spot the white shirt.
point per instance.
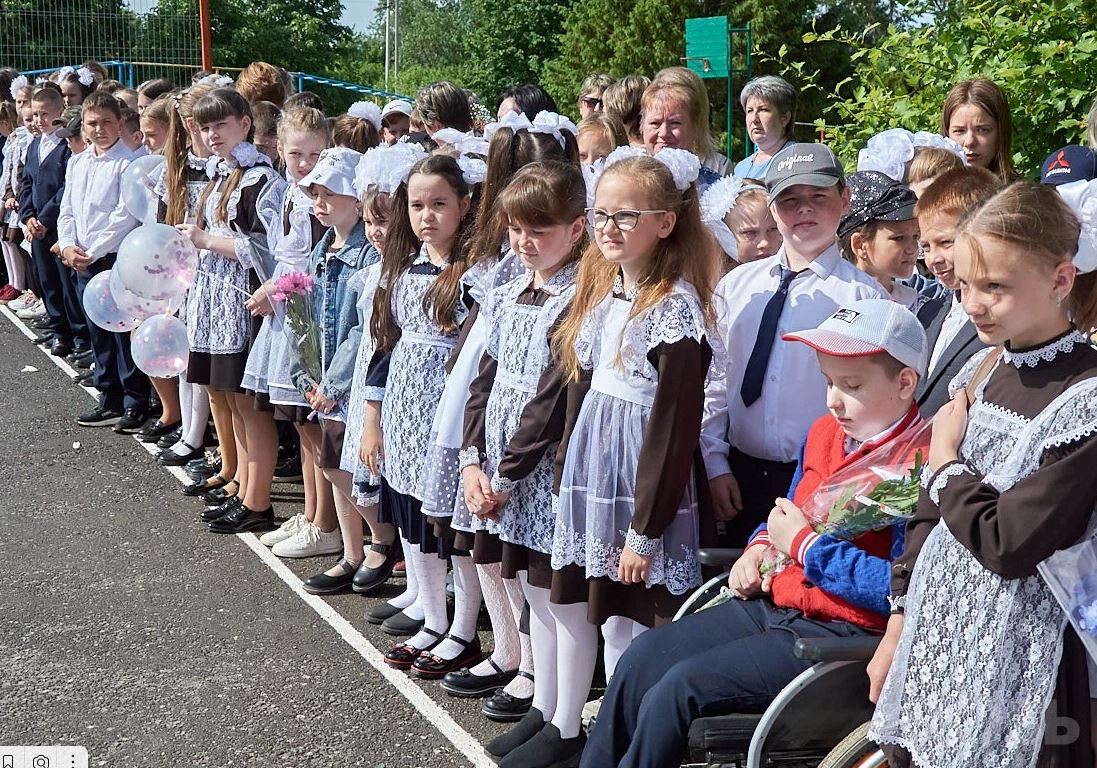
(955, 320)
(92, 213)
(46, 144)
(794, 390)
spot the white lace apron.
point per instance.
(598, 485)
(975, 668)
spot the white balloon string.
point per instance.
(226, 282)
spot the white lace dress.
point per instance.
(442, 488)
(975, 669)
(416, 378)
(518, 342)
(267, 369)
(601, 473)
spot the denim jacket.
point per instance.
(336, 312)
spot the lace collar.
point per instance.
(244, 155)
(196, 163)
(424, 258)
(559, 282)
(1046, 352)
(619, 288)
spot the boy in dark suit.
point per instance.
(39, 205)
(951, 335)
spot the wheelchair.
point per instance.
(819, 720)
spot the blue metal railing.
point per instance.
(126, 72)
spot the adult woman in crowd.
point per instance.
(769, 103)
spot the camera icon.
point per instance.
(40, 761)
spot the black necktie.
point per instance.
(755, 375)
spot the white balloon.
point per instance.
(101, 308)
(159, 346)
(157, 262)
(139, 307)
(136, 186)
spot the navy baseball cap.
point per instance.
(1071, 163)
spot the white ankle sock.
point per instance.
(466, 609)
(504, 630)
(543, 636)
(430, 570)
(520, 687)
(619, 632)
(576, 656)
(406, 599)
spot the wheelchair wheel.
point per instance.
(855, 751)
(705, 596)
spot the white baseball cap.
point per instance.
(335, 170)
(398, 105)
(868, 327)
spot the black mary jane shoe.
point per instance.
(154, 430)
(504, 708)
(242, 520)
(169, 458)
(220, 494)
(322, 584)
(431, 667)
(367, 579)
(216, 513)
(462, 684)
(402, 655)
(401, 625)
(546, 750)
(203, 487)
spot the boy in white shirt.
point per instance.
(758, 413)
(92, 224)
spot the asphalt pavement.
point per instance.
(127, 628)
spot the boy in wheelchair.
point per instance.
(736, 657)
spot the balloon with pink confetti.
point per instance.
(102, 309)
(138, 307)
(157, 262)
(159, 346)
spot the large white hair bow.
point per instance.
(516, 121)
(85, 76)
(366, 110)
(18, 84)
(554, 124)
(1081, 196)
(387, 167)
(718, 199)
(888, 153)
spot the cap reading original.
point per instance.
(811, 164)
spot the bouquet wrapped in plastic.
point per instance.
(294, 291)
(868, 494)
(1072, 576)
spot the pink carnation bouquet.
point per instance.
(294, 291)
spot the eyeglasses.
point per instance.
(624, 220)
(592, 102)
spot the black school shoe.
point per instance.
(169, 458)
(462, 684)
(528, 727)
(216, 513)
(243, 519)
(381, 612)
(154, 430)
(168, 439)
(546, 750)
(131, 422)
(368, 579)
(504, 708)
(101, 416)
(322, 584)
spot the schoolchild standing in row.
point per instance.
(770, 392)
(92, 223)
(416, 317)
(179, 185)
(231, 237)
(514, 416)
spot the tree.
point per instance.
(1040, 54)
(509, 42)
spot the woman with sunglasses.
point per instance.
(590, 93)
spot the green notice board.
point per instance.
(707, 46)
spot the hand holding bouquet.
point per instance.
(868, 494)
(294, 291)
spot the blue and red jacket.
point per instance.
(830, 579)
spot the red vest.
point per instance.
(824, 454)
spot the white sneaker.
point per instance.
(286, 531)
(31, 311)
(310, 541)
(23, 301)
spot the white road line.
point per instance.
(465, 742)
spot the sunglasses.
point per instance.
(625, 220)
(592, 102)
